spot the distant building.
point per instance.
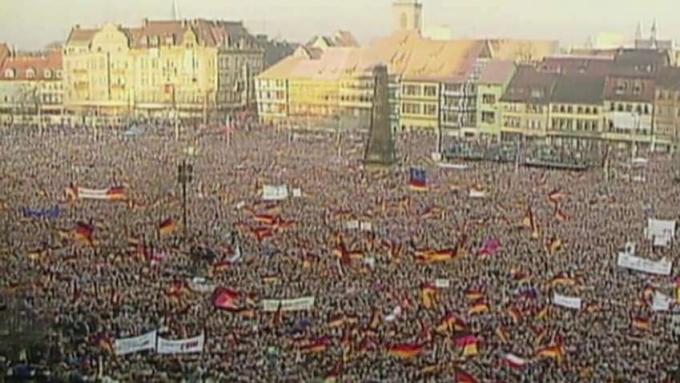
(651, 42)
(30, 87)
(493, 81)
(275, 50)
(193, 69)
(407, 16)
(667, 109)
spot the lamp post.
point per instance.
(184, 176)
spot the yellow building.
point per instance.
(525, 104)
(194, 69)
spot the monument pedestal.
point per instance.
(379, 155)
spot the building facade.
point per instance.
(492, 84)
(30, 88)
(193, 69)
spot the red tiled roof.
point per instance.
(497, 72)
(20, 67)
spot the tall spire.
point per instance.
(638, 32)
(653, 32)
(175, 10)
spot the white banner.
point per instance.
(661, 267)
(442, 283)
(201, 285)
(661, 302)
(352, 225)
(274, 193)
(125, 346)
(660, 231)
(297, 193)
(477, 193)
(568, 302)
(299, 304)
(366, 226)
(183, 346)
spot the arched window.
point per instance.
(9, 73)
(30, 73)
(48, 73)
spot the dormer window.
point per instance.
(9, 73)
(30, 73)
(47, 73)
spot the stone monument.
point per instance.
(380, 146)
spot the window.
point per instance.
(489, 117)
(30, 73)
(9, 73)
(430, 109)
(409, 108)
(488, 99)
(431, 91)
(411, 90)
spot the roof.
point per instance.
(171, 32)
(641, 61)
(406, 54)
(589, 65)
(669, 78)
(21, 65)
(522, 50)
(639, 89)
(80, 36)
(578, 89)
(497, 72)
(345, 39)
(530, 86)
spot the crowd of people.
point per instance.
(392, 299)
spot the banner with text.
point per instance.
(183, 346)
(628, 261)
(299, 304)
(125, 346)
(274, 193)
(568, 302)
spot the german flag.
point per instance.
(478, 307)
(167, 227)
(262, 233)
(450, 323)
(84, 233)
(316, 346)
(555, 352)
(116, 193)
(469, 345)
(266, 219)
(429, 296)
(562, 279)
(464, 377)
(436, 256)
(474, 294)
(405, 351)
(640, 323)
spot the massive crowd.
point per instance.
(376, 315)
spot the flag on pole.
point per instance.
(418, 179)
(405, 351)
(84, 233)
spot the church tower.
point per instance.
(407, 15)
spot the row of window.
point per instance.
(419, 90)
(423, 109)
(568, 109)
(31, 73)
(575, 125)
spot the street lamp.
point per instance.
(184, 176)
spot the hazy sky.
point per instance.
(30, 24)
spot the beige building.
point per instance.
(30, 87)
(195, 69)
